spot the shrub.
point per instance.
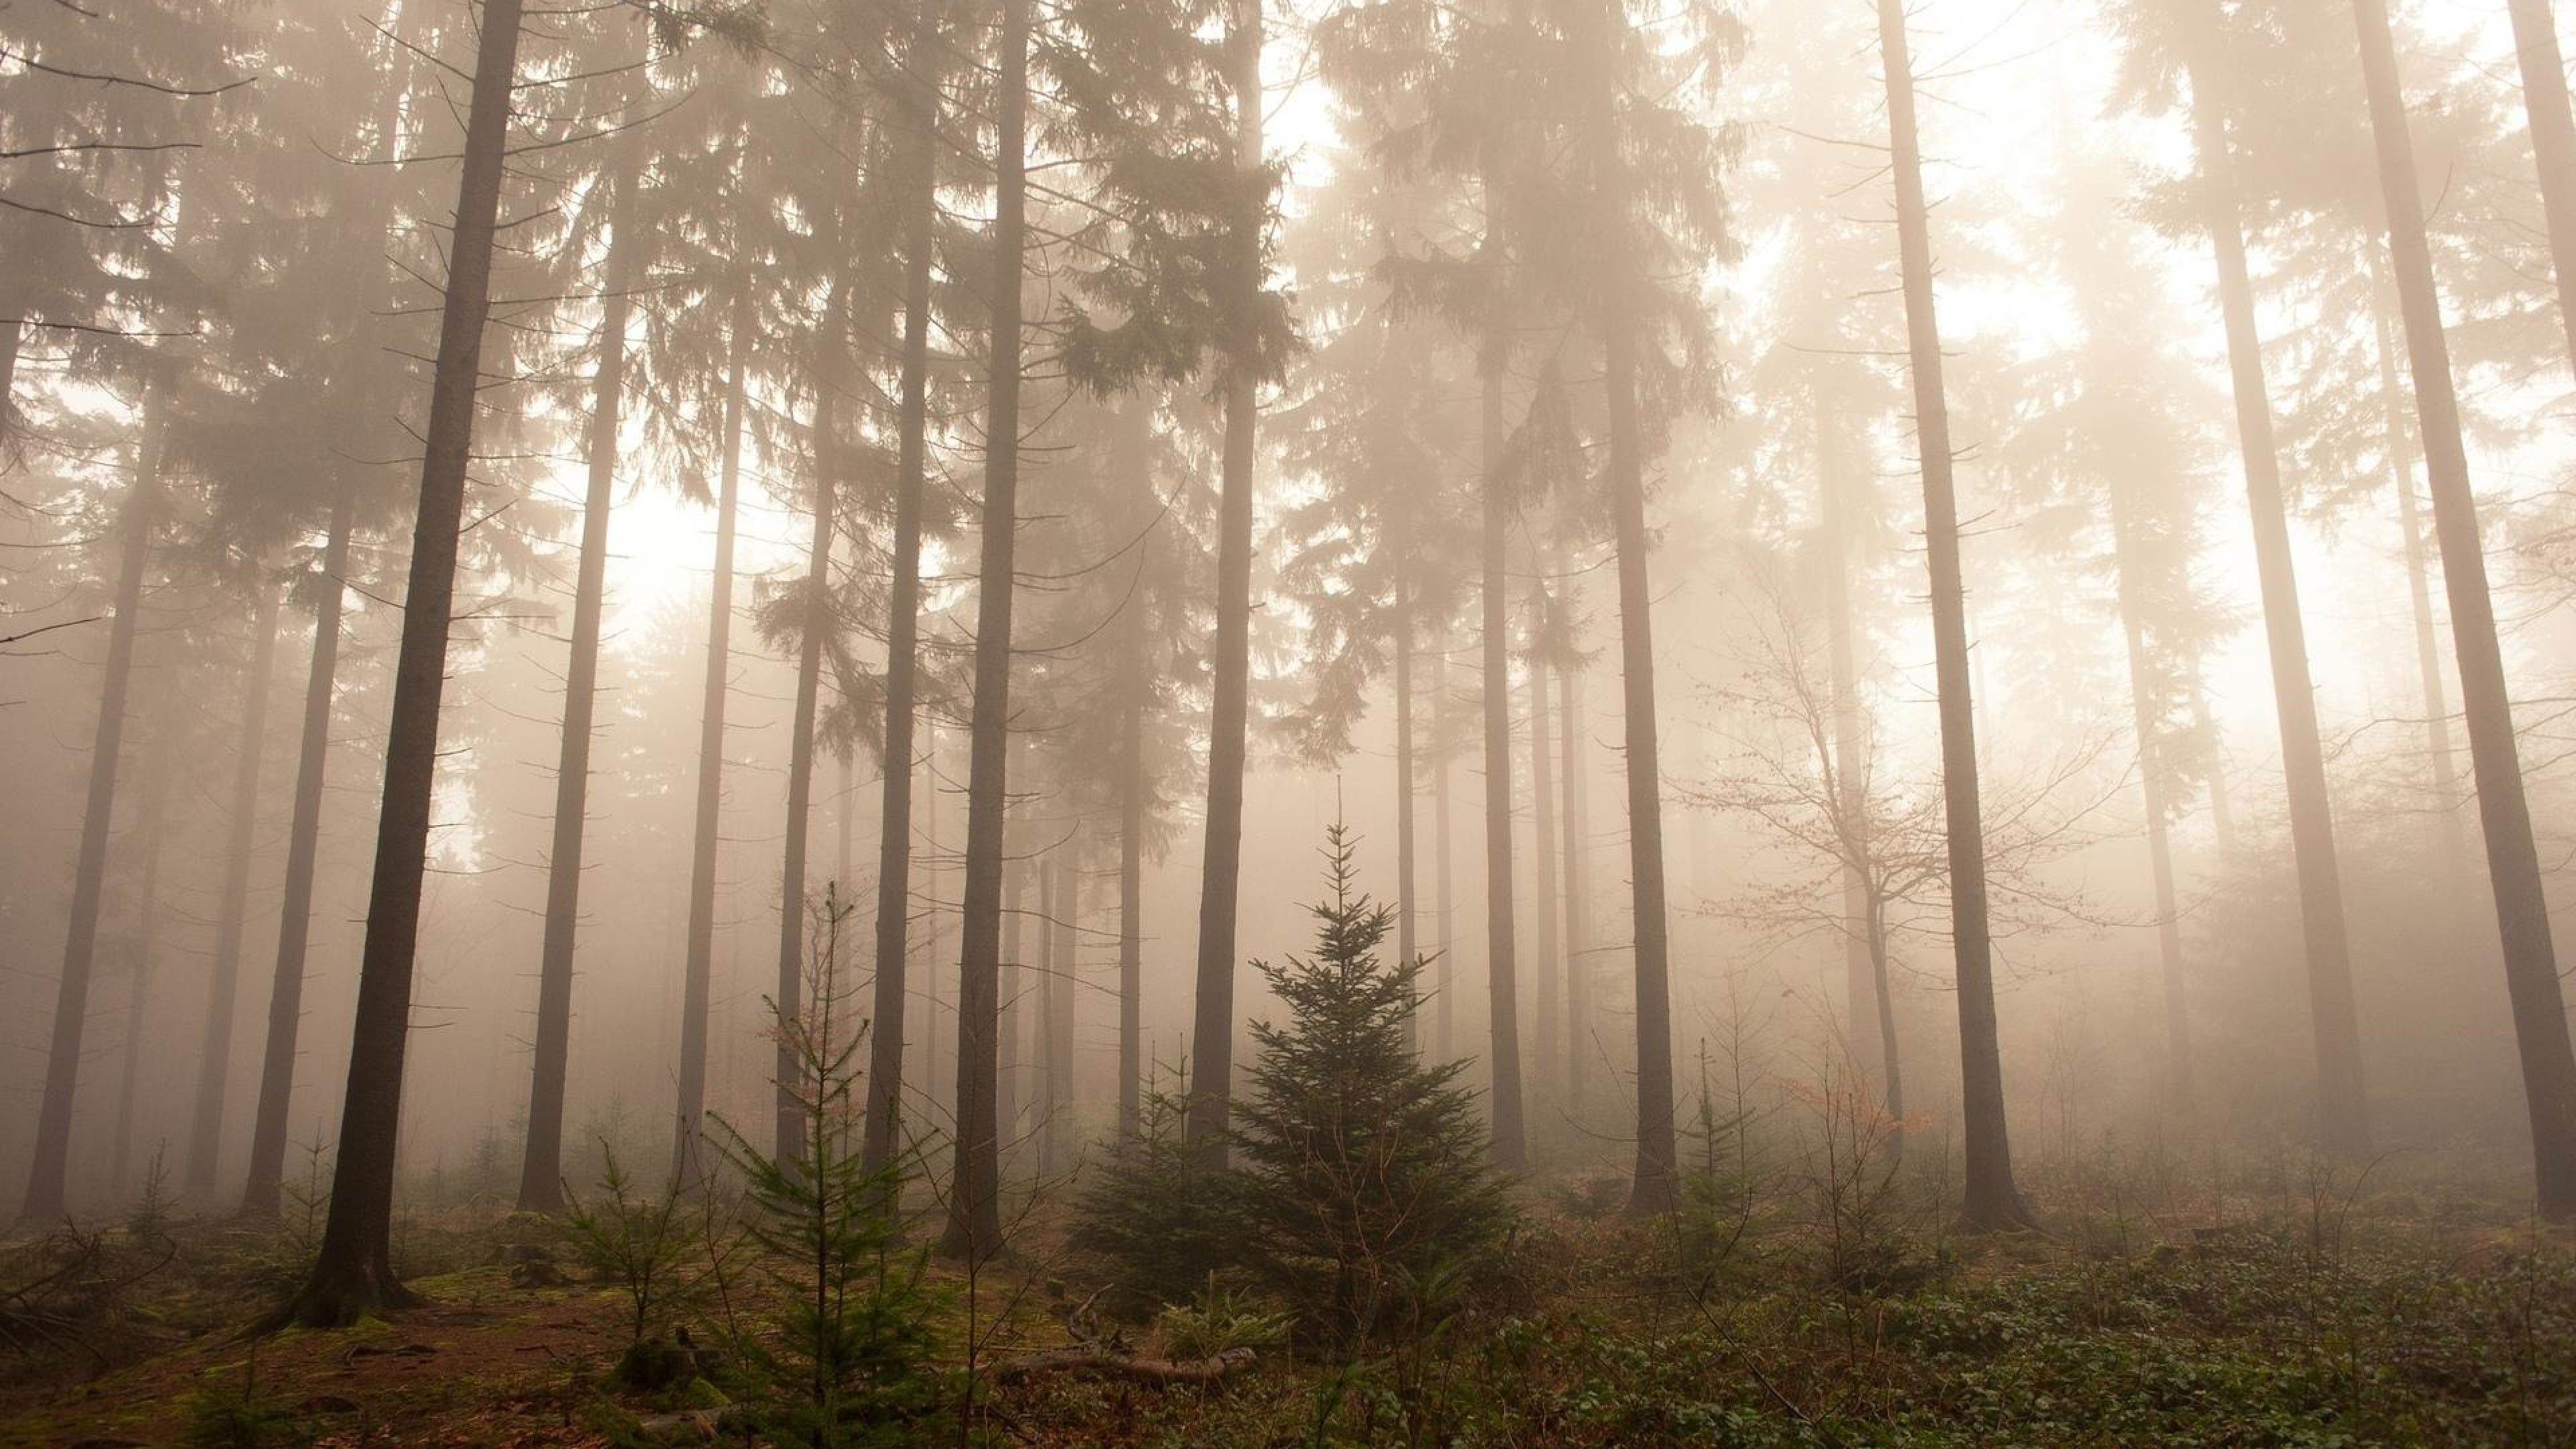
(1155, 1213)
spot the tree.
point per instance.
(2513, 862)
(974, 1213)
(214, 1060)
(353, 1272)
(1992, 1200)
(2553, 143)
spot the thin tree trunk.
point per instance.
(1548, 959)
(974, 1216)
(2553, 143)
(1407, 942)
(2221, 820)
(13, 337)
(1131, 877)
(1048, 1004)
(2152, 791)
(261, 1196)
(147, 926)
(46, 1177)
(1510, 1143)
(1863, 976)
(541, 1187)
(2342, 1108)
(1578, 964)
(353, 1273)
(1891, 1068)
(1658, 1161)
(2513, 864)
(2419, 594)
(788, 1140)
(215, 1054)
(1063, 1003)
(1009, 1059)
(1443, 976)
(1992, 1201)
(1212, 1020)
(903, 604)
(688, 1158)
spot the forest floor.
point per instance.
(2401, 1317)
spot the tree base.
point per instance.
(339, 1296)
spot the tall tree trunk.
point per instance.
(1009, 1058)
(1212, 1018)
(2553, 143)
(2513, 864)
(2342, 1109)
(2152, 792)
(1578, 964)
(46, 1177)
(2221, 819)
(1061, 991)
(147, 926)
(1548, 959)
(1992, 1201)
(1863, 975)
(1443, 976)
(1131, 871)
(261, 1196)
(1407, 940)
(974, 1213)
(903, 603)
(1657, 1153)
(2419, 594)
(215, 1054)
(541, 1169)
(353, 1273)
(789, 1135)
(1510, 1143)
(688, 1143)
(13, 337)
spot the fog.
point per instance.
(1428, 342)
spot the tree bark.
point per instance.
(215, 1054)
(1992, 1201)
(688, 1157)
(974, 1216)
(1578, 965)
(1863, 976)
(1212, 1019)
(789, 1135)
(1510, 1146)
(2553, 143)
(1131, 873)
(1407, 941)
(2419, 595)
(353, 1273)
(261, 1195)
(1548, 959)
(47, 1175)
(2513, 864)
(1443, 975)
(1658, 1162)
(2342, 1107)
(1009, 1060)
(147, 925)
(1063, 996)
(903, 605)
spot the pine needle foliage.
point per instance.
(1361, 1171)
(855, 1315)
(1155, 1213)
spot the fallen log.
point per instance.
(1091, 1360)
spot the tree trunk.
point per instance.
(2152, 791)
(2419, 593)
(1212, 1019)
(1891, 1066)
(2342, 1108)
(2553, 143)
(1548, 957)
(1992, 1200)
(1510, 1145)
(1863, 976)
(789, 1135)
(46, 1176)
(2221, 821)
(541, 1187)
(1131, 874)
(147, 924)
(1658, 1160)
(1578, 965)
(1407, 941)
(903, 604)
(688, 1159)
(2513, 864)
(1063, 993)
(1443, 975)
(1009, 1059)
(261, 1196)
(215, 1054)
(974, 1214)
(353, 1274)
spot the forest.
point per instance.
(1287, 722)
